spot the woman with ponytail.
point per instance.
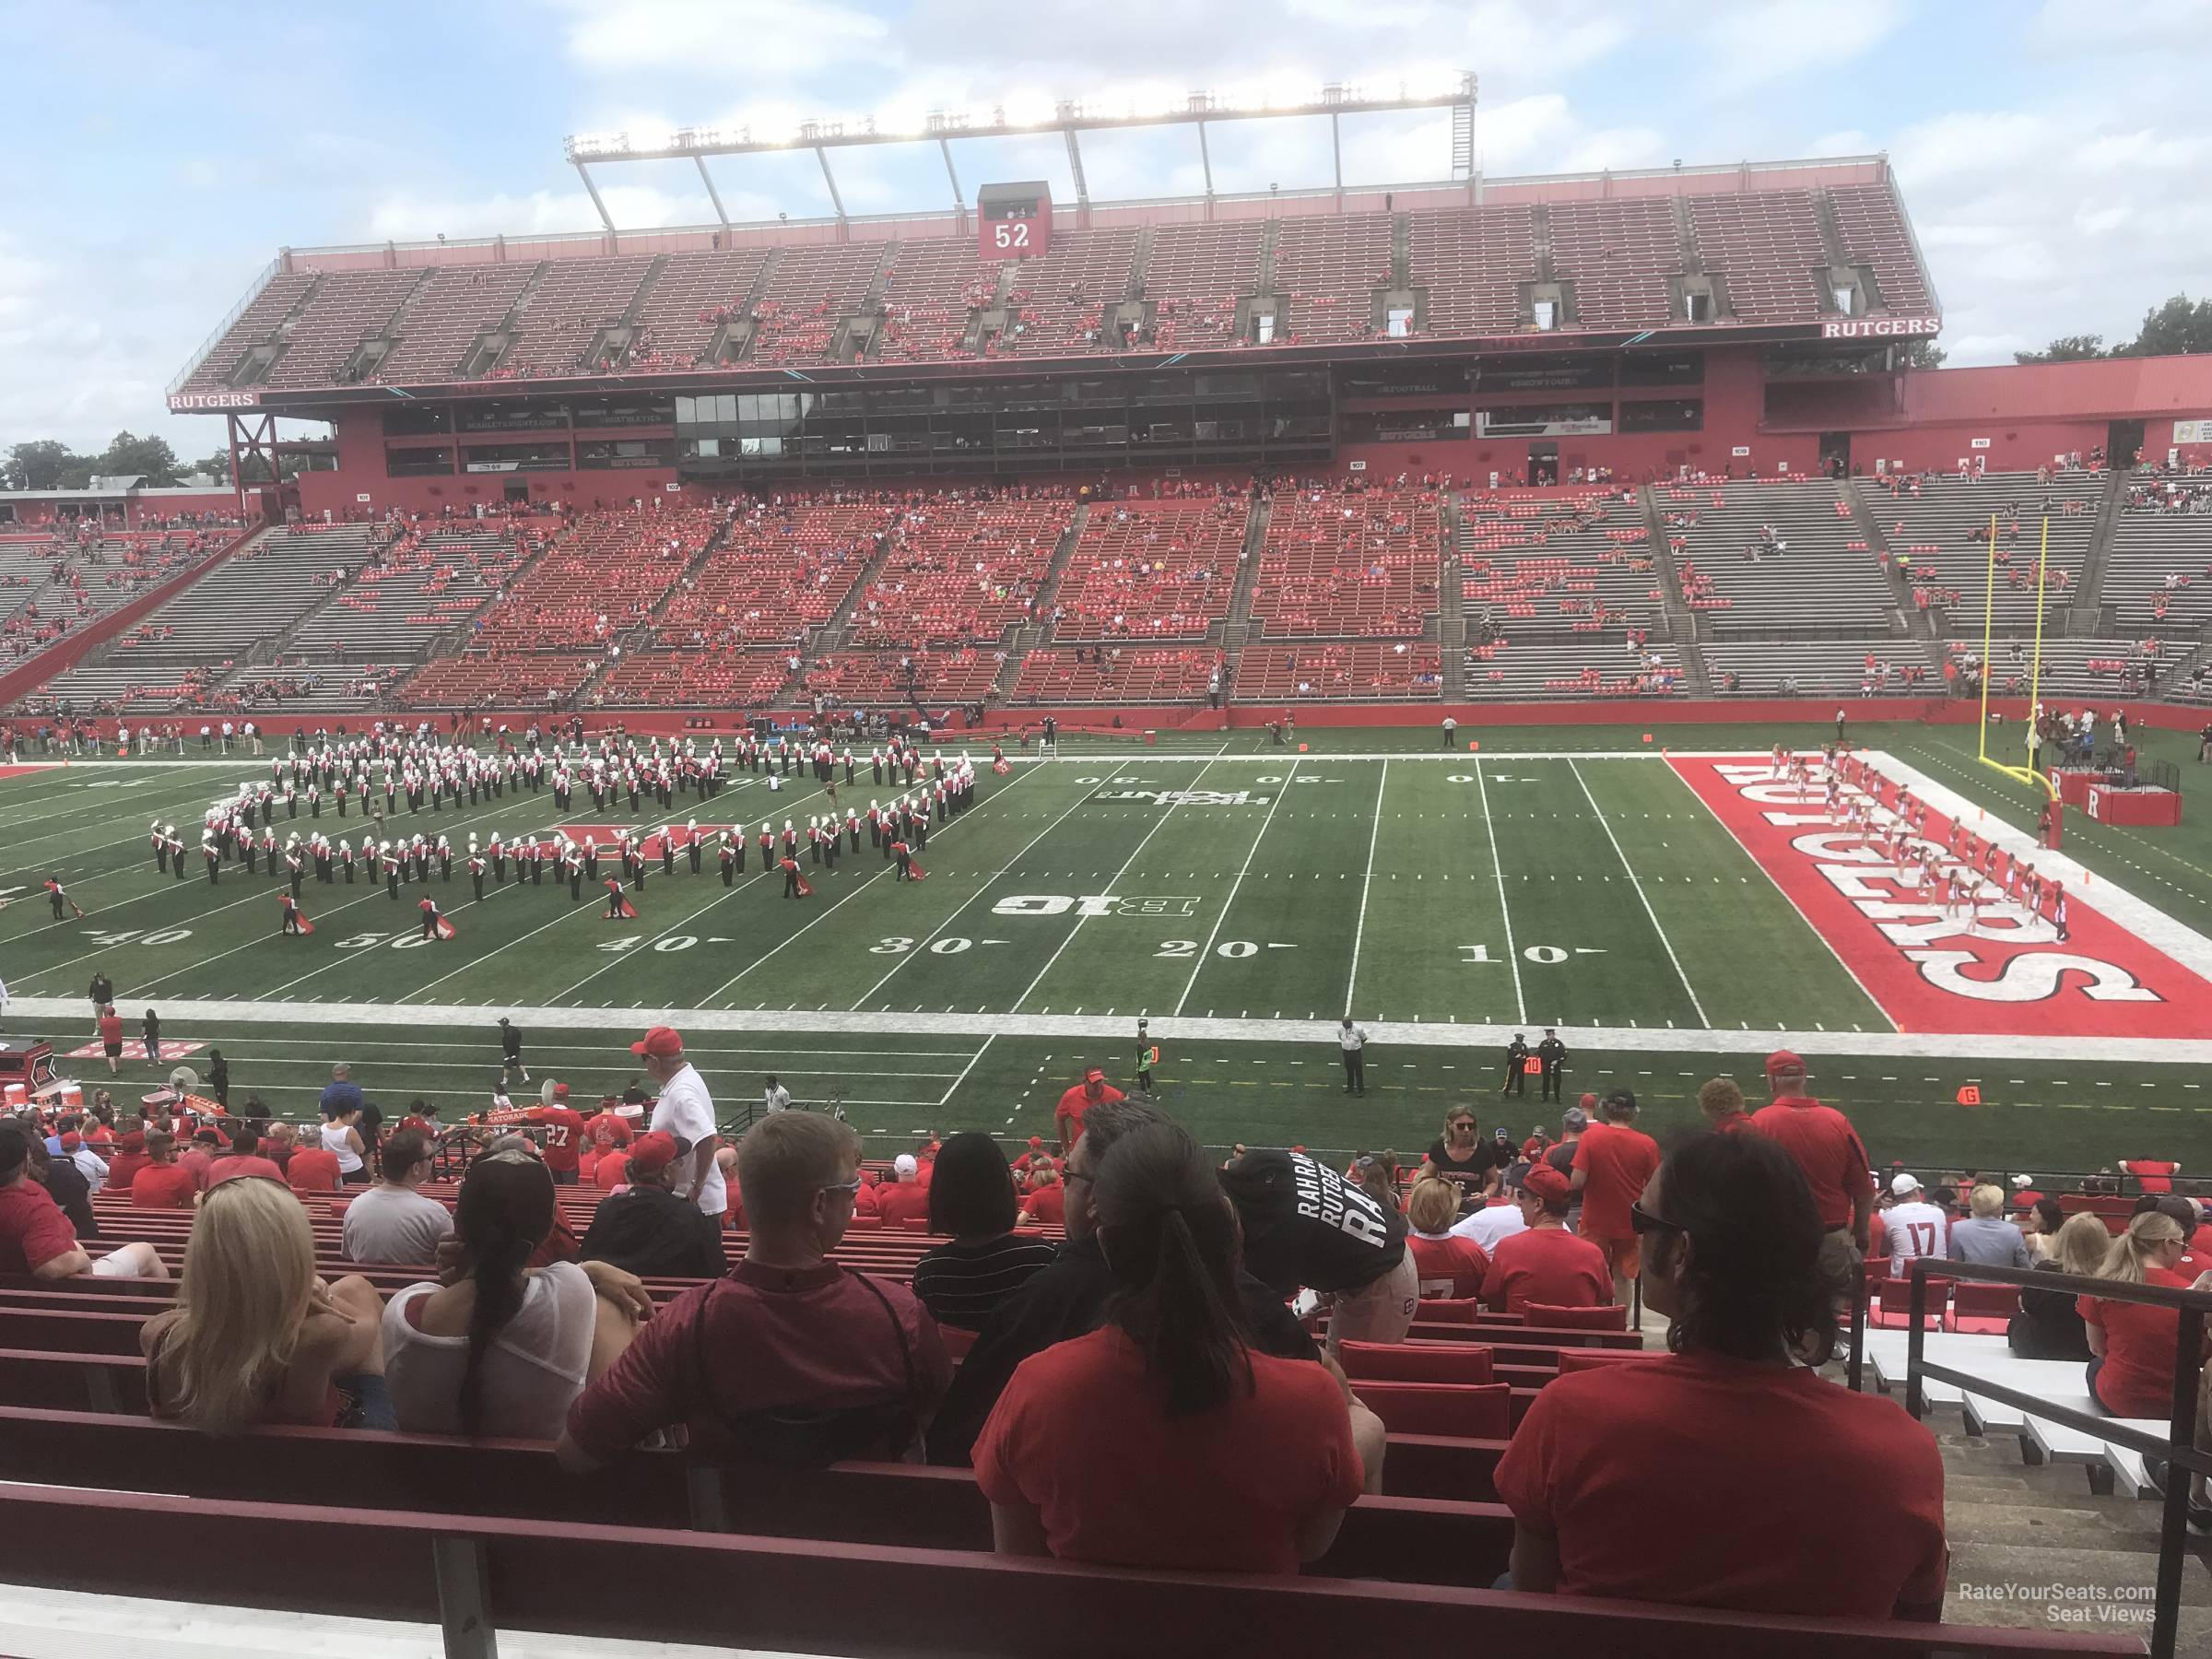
(502, 1347)
(1611, 1476)
(1164, 1439)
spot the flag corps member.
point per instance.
(617, 907)
(795, 886)
(434, 923)
(295, 919)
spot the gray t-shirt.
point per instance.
(391, 1224)
(1987, 1241)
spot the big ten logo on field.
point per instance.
(1093, 904)
(1186, 797)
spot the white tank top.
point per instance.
(334, 1140)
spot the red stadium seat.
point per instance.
(1578, 1360)
(1472, 1411)
(1612, 1316)
(1417, 1362)
(1981, 1310)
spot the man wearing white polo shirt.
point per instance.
(685, 1109)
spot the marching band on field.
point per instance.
(374, 774)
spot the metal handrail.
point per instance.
(2178, 1451)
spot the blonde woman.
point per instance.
(256, 1336)
(2132, 1345)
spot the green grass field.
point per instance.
(1238, 895)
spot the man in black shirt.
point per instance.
(1068, 1299)
(1516, 1066)
(104, 991)
(1552, 1054)
(649, 1231)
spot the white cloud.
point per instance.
(1752, 45)
(746, 40)
(404, 218)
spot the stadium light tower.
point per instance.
(1024, 117)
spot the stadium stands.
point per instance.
(1060, 297)
(532, 679)
(565, 311)
(746, 679)
(2073, 671)
(443, 317)
(1349, 562)
(1116, 675)
(695, 295)
(1768, 245)
(781, 567)
(603, 575)
(1542, 673)
(1471, 262)
(348, 307)
(1553, 562)
(1365, 671)
(1619, 255)
(1824, 668)
(1875, 235)
(257, 594)
(1775, 557)
(1327, 269)
(813, 288)
(2159, 577)
(1943, 531)
(881, 679)
(1196, 278)
(959, 571)
(1151, 570)
(53, 582)
(928, 292)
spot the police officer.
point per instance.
(1516, 1067)
(1551, 1053)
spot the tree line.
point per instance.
(2181, 327)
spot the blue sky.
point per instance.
(2058, 168)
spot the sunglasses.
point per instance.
(852, 1185)
(1642, 1221)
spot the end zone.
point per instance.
(2007, 974)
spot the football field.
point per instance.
(1658, 902)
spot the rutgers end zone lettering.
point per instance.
(2009, 976)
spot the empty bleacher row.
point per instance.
(1944, 531)
(1888, 666)
(1360, 671)
(1470, 267)
(1548, 673)
(1116, 674)
(53, 582)
(1765, 558)
(891, 679)
(1547, 563)
(685, 679)
(2071, 672)
(1349, 562)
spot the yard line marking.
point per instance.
(1221, 915)
(1668, 944)
(1126, 863)
(888, 869)
(967, 1068)
(1512, 957)
(1359, 928)
(995, 876)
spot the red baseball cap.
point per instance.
(561, 1091)
(1782, 1061)
(72, 1141)
(1588, 1102)
(663, 1043)
(1094, 1075)
(650, 1154)
(1544, 1182)
(1036, 1143)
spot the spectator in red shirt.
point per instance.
(1163, 1439)
(1611, 1165)
(243, 1158)
(1723, 1103)
(903, 1198)
(564, 1134)
(312, 1169)
(1449, 1266)
(1828, 1149)
(130, 1158)
(199, 1155)
(789, 1357)
(1543, 1263)
(1067, 1117)
(611, 1171)
(1046, 1204)
(609, 1128)
(2132, 1344)
(256, 1336)
(164, 1184)
(2152, 1174)
(111, 1038)
(35, 1236)
(1608, 1475)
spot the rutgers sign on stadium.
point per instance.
(1876, 328)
